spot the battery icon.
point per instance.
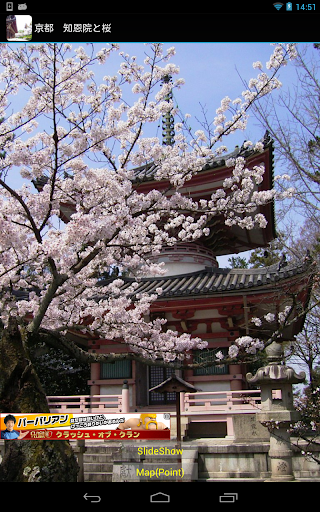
(288, 6)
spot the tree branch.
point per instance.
(15, 194)
(58, 340)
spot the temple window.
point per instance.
(206, 356)
(116, 370)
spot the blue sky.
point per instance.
(211, 72)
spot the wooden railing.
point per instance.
(214, 402)
(223, 402)
(85, 404)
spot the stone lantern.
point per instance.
(277, 410)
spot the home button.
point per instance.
(159, 497)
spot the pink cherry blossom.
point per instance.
(79, 140)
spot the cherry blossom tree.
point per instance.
(83, 140)
(73, 147)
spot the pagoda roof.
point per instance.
(267, 289)
(217, 281)
(222, 239)
(209, 281)
(147, 172)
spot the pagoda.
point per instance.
(215, 304)
(199, 298)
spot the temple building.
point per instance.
(11, 26)
(200, 298)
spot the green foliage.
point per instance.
(238, 262)
(261, 257)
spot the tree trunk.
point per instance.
(21, 391)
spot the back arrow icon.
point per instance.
(93, 499)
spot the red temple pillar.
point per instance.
(95, 376)
(236, 382)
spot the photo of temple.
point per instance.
(198, 297)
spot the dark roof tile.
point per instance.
(215, 280)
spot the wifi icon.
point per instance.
(278, 5)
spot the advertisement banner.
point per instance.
(85, 426)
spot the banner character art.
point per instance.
(145, 422)
(9, 433)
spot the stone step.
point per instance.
(94, 467)
(98, 462)
(98, 477)
(102, 449)
(97, 458)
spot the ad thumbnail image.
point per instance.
(19, 27)
(85, 426)
(9, 432)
